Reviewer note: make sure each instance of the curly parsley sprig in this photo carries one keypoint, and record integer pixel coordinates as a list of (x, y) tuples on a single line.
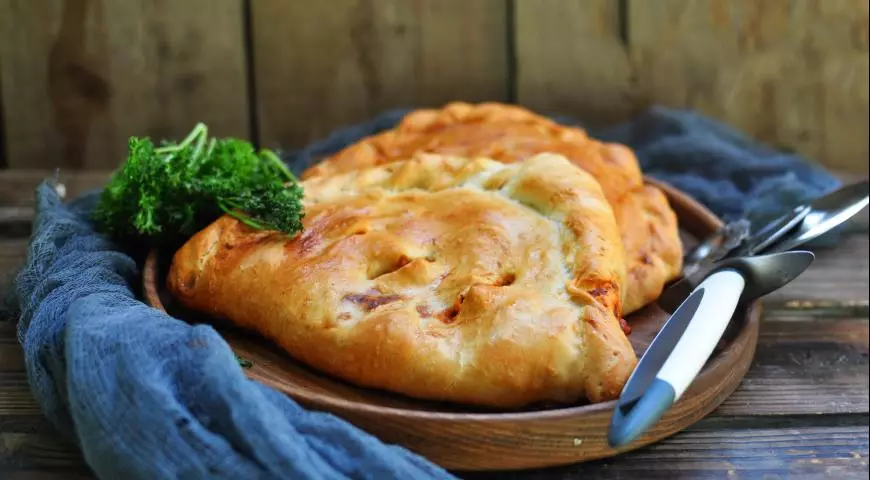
[(165, 193)]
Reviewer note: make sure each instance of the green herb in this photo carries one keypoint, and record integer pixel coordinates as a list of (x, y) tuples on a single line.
[(244, 362), (163, 193)]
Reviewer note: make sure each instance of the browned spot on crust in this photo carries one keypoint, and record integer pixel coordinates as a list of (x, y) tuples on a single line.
[(344, 316), (495, 183), (403, 260), (424, 311), (190, 280), (306, 243), (637, 273), (646, 259), (370, 301), (626, 328), (505, 280), (449, 314), (312, 235), (599, 291)]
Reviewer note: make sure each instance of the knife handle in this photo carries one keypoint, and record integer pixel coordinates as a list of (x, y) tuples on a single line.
[(722, 294)]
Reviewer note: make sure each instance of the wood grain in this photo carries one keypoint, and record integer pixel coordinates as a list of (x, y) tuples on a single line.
[(18, 187), (80, 76), (3, 164), (792, 73), (73, 471), (18, 195), (799, 452), (11, 353), (771, 453), (571, 60), (12, 255), (15, 396), (840, 273), (339, 62), (805, 366), (38, 450)]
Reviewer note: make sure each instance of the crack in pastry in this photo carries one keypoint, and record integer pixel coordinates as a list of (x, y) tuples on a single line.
[(442, 278), (508, 134)]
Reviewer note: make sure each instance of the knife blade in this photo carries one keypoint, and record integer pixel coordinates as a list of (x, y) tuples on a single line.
[(797, 227), (685, 343)]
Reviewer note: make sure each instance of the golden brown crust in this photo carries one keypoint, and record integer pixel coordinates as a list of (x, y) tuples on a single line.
[(441, 278), (508, 134), (653, 250)]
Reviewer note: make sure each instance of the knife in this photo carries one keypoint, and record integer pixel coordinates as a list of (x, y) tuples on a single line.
[(681, 348), (797, 227), (705, 301)]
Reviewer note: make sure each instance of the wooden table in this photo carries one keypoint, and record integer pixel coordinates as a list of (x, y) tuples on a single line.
[(801, 412)]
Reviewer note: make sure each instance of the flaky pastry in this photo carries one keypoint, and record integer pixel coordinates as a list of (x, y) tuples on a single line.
[(509, 133), (442, 278)]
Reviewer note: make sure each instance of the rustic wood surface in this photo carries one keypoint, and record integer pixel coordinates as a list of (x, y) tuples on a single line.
[(79, 76), (344, 61), (571, 59), (794, 73), (801, 411)]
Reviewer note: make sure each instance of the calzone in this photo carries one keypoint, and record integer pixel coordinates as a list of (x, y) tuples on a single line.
[(438, 277), (509, 133)]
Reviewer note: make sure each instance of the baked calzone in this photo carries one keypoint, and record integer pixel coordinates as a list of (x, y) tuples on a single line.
[(509, 133), (442, 278)]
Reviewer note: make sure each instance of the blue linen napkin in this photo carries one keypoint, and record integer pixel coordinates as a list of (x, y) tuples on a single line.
[(148, 396), (734, 176)]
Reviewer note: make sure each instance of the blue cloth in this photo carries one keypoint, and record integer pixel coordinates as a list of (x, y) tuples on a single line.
[(148, 396), (732, 175), (728, 172)]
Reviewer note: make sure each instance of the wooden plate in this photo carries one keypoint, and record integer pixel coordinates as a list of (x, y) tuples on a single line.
[(462, 438)]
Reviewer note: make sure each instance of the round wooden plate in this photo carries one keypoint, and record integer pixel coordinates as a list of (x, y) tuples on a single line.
[(463, 438)]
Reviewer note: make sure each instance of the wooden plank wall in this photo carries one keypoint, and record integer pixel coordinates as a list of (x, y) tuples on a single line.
[(80, 76), (341, 62), (77, 77)]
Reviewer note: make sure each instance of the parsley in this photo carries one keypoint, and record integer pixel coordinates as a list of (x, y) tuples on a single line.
[(167, 192), (244, 362)]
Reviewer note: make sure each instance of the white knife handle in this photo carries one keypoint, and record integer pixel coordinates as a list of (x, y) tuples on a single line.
[(722, 292)]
